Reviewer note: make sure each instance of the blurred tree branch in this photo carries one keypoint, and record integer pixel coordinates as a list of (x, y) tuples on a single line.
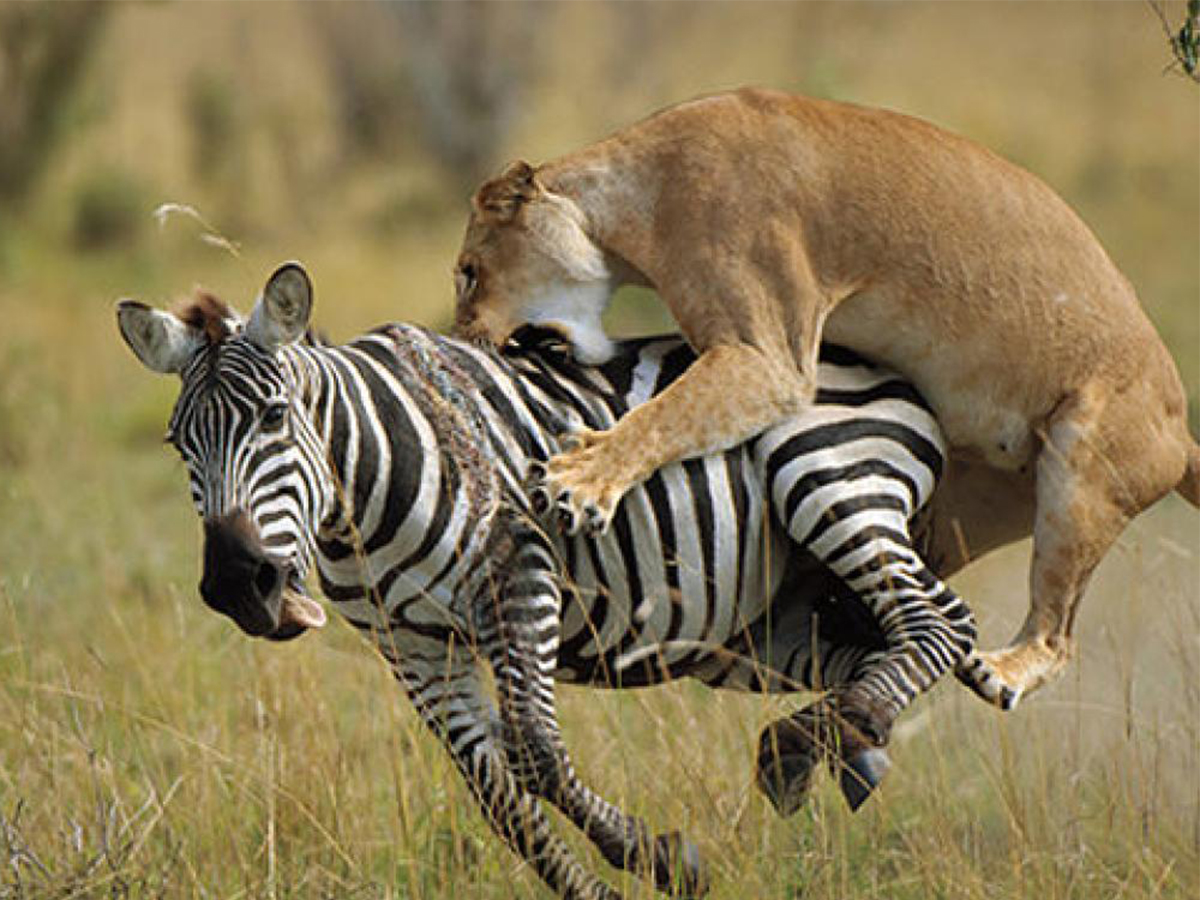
[(448, 78), (369, 89), (1185, 43), (44, 48), (470, 65)]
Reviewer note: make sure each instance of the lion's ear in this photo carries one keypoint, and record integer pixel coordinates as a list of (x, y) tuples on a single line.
[(503, 196)]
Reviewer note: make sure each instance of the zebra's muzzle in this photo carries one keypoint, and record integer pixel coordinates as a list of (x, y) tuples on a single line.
[(262, 595)]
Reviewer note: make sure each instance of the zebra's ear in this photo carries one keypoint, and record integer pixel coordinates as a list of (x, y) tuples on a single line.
[(163, 342), (282, 312)]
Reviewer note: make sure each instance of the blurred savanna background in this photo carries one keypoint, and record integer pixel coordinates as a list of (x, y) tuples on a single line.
[(148, 749)]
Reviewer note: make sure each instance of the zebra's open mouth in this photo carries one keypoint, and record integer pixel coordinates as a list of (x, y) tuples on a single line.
[(297, 612), (262, 593)]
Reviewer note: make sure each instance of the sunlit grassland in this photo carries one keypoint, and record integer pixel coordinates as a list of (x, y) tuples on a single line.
[(148, 749)]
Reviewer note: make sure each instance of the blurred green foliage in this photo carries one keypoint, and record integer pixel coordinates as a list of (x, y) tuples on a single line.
[(110, 209), (214, 114), (1186, 42), (18, 387)]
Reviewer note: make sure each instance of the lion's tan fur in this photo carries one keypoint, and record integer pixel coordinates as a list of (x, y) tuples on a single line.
[(767, 221)]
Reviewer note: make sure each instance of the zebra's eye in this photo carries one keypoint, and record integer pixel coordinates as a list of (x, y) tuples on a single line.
[(274, 416)]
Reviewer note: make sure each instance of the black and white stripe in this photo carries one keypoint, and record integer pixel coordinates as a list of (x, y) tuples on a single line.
[(399, 467)]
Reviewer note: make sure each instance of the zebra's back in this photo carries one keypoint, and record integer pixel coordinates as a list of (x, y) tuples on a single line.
[(698, 575)]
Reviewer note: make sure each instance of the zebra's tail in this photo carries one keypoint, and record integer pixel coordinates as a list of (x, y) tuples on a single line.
[(1189, 485)]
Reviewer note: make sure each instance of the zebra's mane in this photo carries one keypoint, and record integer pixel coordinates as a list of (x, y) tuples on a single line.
[(209, 314)]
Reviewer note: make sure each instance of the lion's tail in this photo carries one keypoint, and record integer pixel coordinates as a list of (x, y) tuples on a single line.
[(1189, 485)]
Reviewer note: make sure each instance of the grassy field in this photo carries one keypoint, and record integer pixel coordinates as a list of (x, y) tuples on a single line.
[(147, 749)]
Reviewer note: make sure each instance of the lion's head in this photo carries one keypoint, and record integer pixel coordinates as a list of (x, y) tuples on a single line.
[(527, 258)]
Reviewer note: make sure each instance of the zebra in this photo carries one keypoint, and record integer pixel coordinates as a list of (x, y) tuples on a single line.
[(398, 466)]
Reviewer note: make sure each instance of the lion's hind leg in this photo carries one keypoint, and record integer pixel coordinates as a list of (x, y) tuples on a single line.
[(1104, 458)]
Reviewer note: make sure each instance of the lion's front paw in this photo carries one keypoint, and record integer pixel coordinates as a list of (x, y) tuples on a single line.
[(580, 484)]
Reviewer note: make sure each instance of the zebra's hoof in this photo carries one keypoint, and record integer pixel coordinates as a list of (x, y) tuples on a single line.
[(861, 774), (788, 753), (786, 781), (678, 869)]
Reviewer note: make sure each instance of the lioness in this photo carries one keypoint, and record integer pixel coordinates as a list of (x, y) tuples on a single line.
[(766, 222)]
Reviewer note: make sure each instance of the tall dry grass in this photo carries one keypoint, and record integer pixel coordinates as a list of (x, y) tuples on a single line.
[(147, 749)]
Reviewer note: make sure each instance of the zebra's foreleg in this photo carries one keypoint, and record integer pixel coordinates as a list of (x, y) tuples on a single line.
[(520, 637), (448, 695)]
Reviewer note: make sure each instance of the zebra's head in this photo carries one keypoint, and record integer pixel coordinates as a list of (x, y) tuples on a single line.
[(257, 470)]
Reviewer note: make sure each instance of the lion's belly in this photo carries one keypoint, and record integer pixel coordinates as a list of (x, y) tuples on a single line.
[(978, 384)]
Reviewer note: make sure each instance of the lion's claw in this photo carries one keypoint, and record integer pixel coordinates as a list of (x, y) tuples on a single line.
[(597, 521), (569, 488), (567, 518), (537, 489), (575, 517)]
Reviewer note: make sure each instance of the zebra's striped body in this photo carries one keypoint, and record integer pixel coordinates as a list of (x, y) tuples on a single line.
[(696, 557), (400, 469)]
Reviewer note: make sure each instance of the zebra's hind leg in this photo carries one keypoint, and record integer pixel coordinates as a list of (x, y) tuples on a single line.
[(790, 751), (928, 630), (519, 632), (793, 749), (925, 629)]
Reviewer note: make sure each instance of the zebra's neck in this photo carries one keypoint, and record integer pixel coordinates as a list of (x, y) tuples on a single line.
[(408, 464)]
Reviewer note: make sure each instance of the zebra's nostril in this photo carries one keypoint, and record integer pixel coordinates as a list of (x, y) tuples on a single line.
[(267, 580)]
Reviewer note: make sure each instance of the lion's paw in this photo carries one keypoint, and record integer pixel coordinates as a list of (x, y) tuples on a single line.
[(578, 485)]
